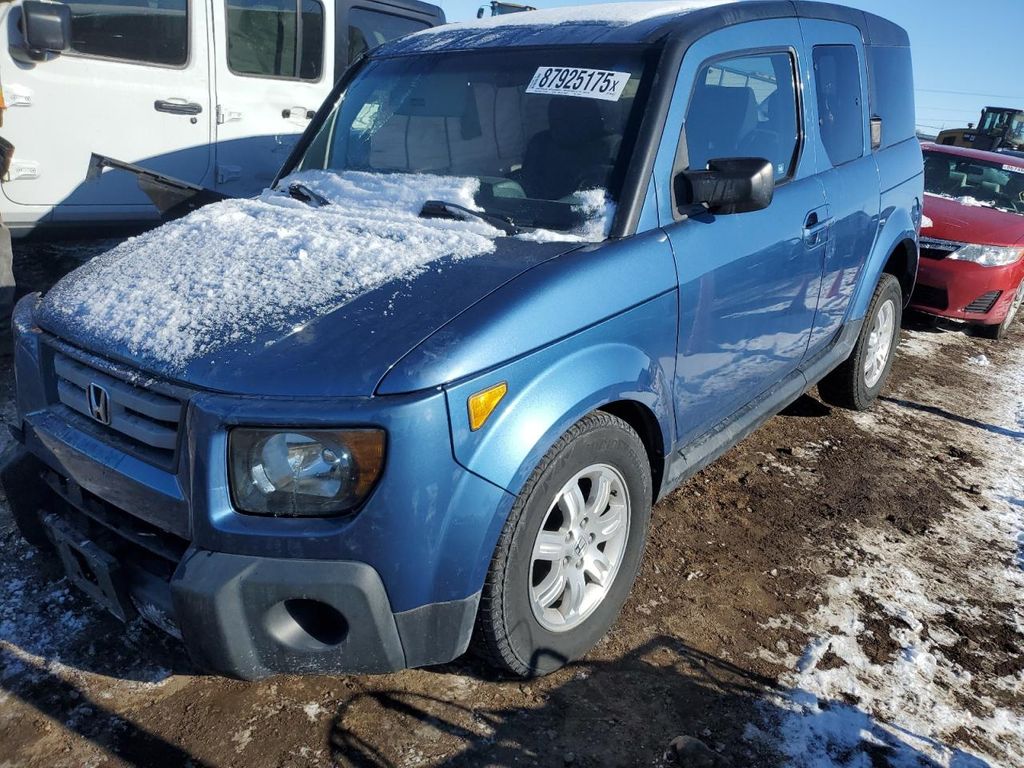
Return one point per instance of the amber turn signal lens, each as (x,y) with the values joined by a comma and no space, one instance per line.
(482,404)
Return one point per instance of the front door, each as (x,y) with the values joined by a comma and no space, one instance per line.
(135,86)
(748,282)
(274,62)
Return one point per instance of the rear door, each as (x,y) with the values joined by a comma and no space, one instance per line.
(748,282)
(838,99)
(135,86)
(273,65)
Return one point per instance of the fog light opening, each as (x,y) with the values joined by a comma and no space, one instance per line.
(305,624)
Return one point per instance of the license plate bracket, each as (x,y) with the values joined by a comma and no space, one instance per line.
(90,568)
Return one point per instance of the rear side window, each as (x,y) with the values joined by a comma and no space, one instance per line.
(368,29)
(840,112)
(744,107)
(892,88)
(144,31)
(276,38)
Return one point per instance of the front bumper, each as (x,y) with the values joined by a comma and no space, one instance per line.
(241,615)
(966,291)
(410,563)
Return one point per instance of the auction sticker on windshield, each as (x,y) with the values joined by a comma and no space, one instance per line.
(577,81)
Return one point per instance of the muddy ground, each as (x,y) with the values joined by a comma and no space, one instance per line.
(839,590)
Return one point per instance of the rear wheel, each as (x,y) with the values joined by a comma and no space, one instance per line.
(857,381)
(1000,331)
(570,550)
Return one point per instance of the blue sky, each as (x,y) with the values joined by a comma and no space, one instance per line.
(967,53)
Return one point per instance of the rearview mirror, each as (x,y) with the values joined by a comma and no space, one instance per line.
(47,27)
(729,185)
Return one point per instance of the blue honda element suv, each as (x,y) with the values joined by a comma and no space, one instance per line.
(519,280)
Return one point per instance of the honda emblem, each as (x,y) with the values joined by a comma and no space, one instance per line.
(99,404)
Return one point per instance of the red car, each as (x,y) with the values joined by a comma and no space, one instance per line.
(972,237)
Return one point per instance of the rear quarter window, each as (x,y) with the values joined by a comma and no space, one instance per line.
(892,93)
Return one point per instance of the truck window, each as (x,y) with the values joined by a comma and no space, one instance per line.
(892,88)
(367,29)
(153,32)
(744,107)
(276,38)
(840,113)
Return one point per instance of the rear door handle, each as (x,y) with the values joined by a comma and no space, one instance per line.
(177,106)
(300,113)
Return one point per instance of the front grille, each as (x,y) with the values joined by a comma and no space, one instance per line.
(938,249)
(927,296)
(141,422)
(984,303)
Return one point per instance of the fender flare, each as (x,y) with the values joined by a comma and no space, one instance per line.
(898,228)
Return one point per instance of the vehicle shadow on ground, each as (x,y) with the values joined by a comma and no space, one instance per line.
(934,410)
(627,711)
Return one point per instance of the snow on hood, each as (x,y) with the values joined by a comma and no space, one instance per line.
(234,269)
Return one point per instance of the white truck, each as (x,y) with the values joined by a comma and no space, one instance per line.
(212,92)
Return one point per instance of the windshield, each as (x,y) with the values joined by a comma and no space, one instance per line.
(540,128)
(975,182)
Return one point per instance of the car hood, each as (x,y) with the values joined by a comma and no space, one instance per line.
(272,297)
(961,221)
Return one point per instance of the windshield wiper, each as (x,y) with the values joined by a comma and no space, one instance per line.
(306,195)
(439,209)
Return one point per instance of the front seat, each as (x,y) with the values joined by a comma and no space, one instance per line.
(576,151)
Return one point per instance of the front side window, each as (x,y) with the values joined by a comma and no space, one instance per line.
(974,182)
(368,29)
(537,127)
(276,38)
(744,107)
(840,112)
(144,31)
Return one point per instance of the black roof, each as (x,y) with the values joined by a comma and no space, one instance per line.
(636,23)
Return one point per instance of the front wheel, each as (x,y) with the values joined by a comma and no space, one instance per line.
(857,381)
(570,550)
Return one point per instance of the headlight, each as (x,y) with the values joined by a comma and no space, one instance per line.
(303,473)
(987,255)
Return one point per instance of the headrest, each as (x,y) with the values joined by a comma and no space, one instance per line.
(572,120)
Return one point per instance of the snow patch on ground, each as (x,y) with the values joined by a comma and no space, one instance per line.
(931,608)
(233,269)
(979,360)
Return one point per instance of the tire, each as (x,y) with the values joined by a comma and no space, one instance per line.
(514,632)
(1000,331)
(853,384)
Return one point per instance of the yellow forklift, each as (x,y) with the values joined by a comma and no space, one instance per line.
(999,128)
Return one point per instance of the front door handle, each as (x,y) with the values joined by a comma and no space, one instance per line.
(177,106)
(816,227)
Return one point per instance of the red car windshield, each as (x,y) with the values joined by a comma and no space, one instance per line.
(975,182)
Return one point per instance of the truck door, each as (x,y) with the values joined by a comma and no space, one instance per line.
(837,97)
(135,85)
(363,25)
(748,282)
(273,69)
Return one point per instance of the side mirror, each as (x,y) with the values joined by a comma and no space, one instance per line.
(729,185)
(47,27)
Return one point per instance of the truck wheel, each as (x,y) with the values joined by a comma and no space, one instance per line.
(1000,331)
(570,550)
(857,381)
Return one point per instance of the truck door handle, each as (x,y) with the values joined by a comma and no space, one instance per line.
(816,229)
(299,112)
(177,106)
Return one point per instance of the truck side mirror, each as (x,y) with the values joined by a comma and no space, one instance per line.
(729,185)
(47,27)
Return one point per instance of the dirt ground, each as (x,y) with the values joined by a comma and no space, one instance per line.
(839,590)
